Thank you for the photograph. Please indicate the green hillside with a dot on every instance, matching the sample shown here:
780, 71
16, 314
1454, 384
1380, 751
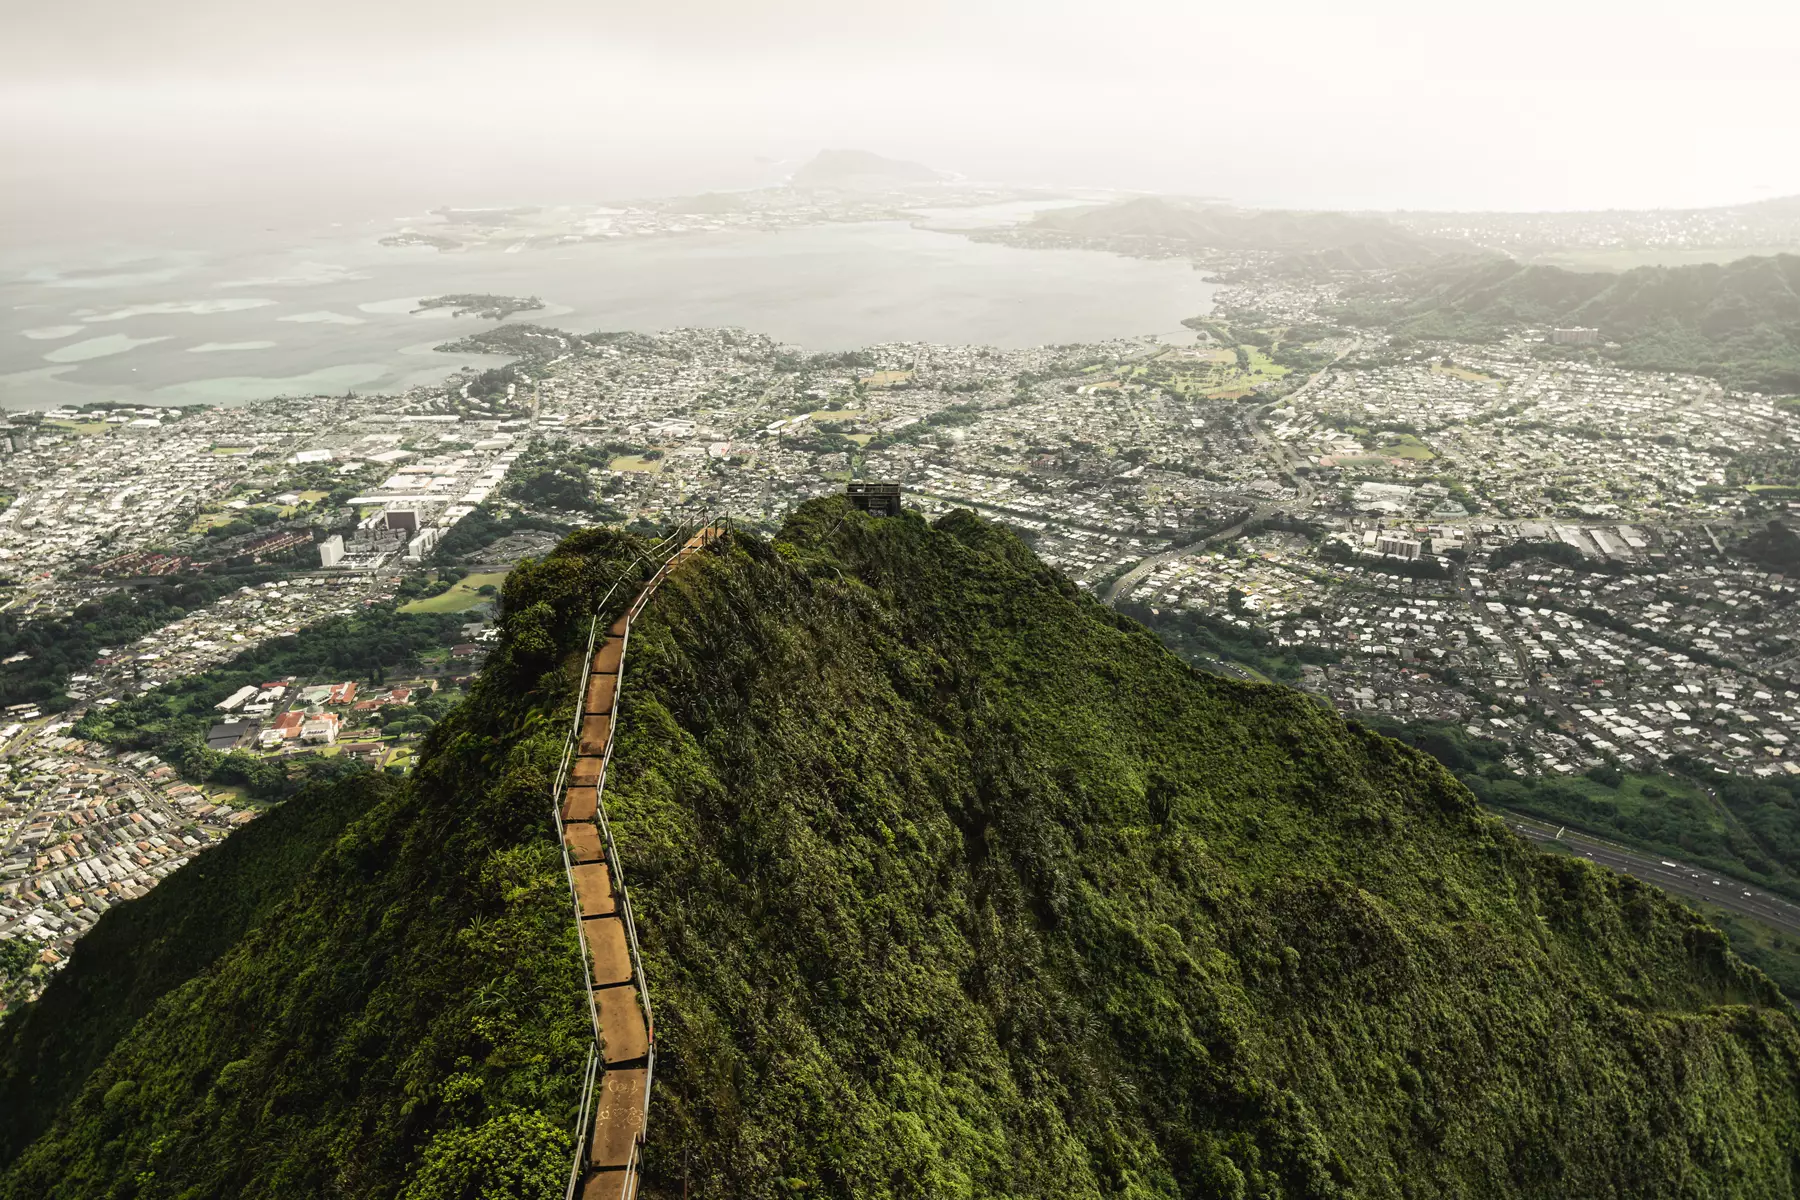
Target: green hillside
1739, 321
1322, 240
951, 882
141, 950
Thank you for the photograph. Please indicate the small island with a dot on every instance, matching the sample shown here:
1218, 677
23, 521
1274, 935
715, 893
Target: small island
489, 308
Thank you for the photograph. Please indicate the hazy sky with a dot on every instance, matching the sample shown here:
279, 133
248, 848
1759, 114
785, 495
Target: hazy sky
1387, 103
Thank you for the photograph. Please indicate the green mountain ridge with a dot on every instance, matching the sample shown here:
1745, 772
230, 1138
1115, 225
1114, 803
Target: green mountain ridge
1739, 321
950, 882
1318, 241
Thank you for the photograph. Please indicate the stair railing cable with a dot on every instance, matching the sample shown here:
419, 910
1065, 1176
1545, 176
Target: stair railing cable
557, 788
666, 548
587, 1098
656, 550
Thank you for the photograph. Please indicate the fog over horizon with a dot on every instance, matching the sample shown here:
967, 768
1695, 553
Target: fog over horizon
196, 109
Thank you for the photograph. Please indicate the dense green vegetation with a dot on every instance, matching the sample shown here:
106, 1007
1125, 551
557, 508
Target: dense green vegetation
172, 720
951, 882
1775, 954
1738, 321
555, 476
57, 647
1557, 553
141, 950
555, 486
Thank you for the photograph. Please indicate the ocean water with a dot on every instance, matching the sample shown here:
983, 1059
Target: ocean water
334, 310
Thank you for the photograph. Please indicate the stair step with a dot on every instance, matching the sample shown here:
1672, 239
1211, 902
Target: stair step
584, 842
595, 730
580, 804
624, 1031
618, 1117
622, 1025
608, 950
593, 887
600, 689
608, 1185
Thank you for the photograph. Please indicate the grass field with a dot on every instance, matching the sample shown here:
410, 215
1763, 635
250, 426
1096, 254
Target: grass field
1261, 364
207, 520
886, 378
827, 415
84, 428
1408, 447
461, 598
1631, 799
1462, 373
635, 462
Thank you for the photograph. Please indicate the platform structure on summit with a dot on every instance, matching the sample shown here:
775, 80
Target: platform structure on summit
617, 1094
876, 499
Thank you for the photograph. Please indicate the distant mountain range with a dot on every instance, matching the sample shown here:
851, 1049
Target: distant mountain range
1738, 321
1311, 240
859, 170
1622, 238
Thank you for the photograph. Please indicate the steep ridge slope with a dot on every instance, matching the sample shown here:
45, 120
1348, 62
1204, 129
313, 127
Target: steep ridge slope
949, 881
953, 883
413, 1015
140, 950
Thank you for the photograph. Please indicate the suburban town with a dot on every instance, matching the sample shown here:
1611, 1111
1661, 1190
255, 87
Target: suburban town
1573, 564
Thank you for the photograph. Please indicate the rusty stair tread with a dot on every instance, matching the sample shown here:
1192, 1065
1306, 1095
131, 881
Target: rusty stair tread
608, 1185
622, 1026
595, 730
593, 887
600, 689
580, 804
624, 1031
608, 950
584, 842
618, 1116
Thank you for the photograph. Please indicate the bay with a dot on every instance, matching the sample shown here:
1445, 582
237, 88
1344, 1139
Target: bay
335, 310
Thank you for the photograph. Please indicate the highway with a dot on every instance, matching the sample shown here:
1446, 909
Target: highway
1698, 883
